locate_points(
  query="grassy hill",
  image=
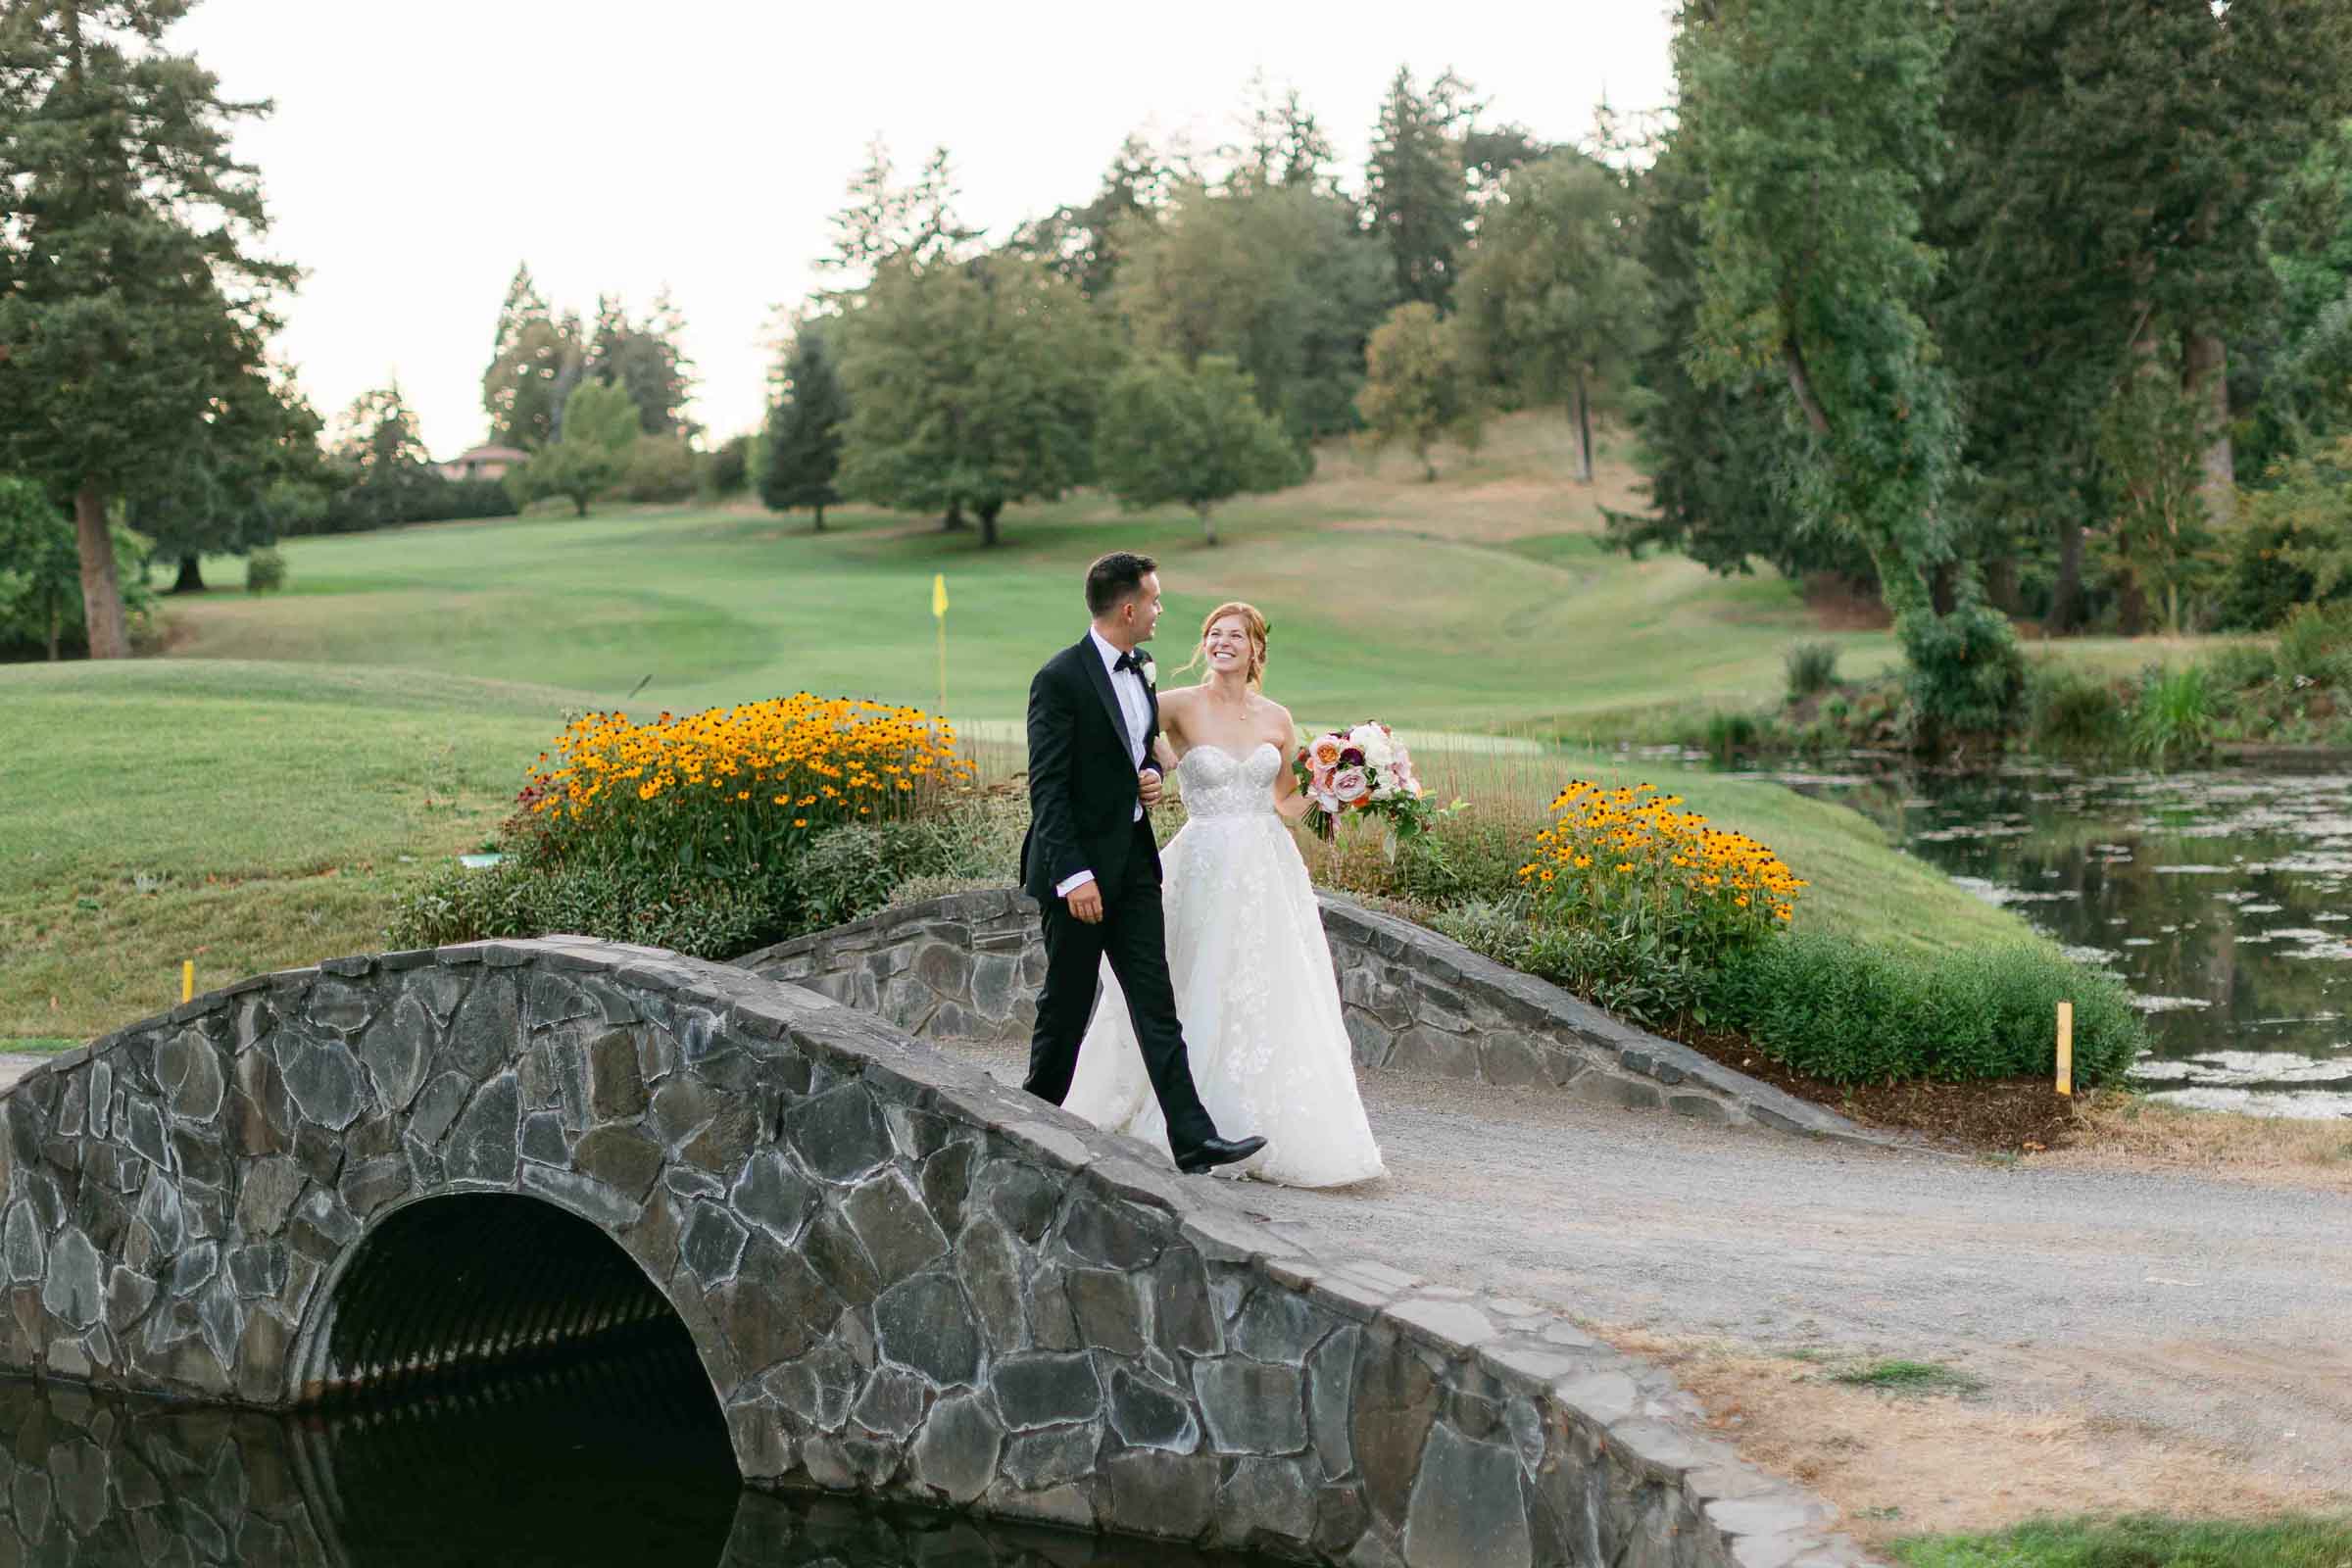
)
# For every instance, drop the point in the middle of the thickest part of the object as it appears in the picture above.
(1483, 601)
(257, 800)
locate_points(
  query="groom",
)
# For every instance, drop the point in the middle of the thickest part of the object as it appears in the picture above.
(1089, 860)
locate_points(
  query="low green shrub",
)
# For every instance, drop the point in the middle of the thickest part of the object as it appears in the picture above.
(1812, 668)
(1624, 965)
(2315, 644)
(2070, 709)
(265, 572)
(702, 918)
(1846, 1011)
(2241, 667)
(1966, 673)
(1730, 733)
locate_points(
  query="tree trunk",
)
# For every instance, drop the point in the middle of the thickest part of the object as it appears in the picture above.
(820, 517)
(2205, 378)
(1208, 524)
(191, 574)
(954, 518)
(1944, 588)
(2000, 583)
(57, 631)
(987, 526)
(101, 594)
(1584, 427)
(2066, 596)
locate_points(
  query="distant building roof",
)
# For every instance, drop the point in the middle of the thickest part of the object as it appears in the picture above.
(487, 454)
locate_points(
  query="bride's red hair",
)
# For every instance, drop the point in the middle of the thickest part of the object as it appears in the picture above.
(1256, 626)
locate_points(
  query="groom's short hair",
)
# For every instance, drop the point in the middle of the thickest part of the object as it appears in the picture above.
(1113, 577)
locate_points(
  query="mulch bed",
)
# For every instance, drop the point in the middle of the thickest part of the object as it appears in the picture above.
(2007, 1115)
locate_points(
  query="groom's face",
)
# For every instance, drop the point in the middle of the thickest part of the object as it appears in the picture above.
(1141, 613)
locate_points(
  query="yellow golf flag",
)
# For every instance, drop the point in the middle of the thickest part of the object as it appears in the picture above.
(939, 595)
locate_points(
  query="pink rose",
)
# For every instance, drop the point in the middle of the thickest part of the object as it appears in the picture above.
(1350, 785)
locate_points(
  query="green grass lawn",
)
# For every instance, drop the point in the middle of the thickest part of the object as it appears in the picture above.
(2141, 1542)
(1483, 601)
(245, 817)
(254, 816)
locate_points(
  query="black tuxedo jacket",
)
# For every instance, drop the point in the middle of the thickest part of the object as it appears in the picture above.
(1082, 784)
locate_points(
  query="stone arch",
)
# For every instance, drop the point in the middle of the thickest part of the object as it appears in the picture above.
(456, 1285)
(902, 1278)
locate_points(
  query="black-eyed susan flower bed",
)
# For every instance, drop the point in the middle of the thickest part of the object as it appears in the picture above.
(738, 789)
(711, 833)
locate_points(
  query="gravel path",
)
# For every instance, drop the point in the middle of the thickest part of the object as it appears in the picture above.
(2216, 1312)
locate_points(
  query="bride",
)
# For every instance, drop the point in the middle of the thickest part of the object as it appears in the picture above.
(1251, 972)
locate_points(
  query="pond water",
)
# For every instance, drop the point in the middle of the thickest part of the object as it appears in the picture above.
(2222, 898)
(593, 1465)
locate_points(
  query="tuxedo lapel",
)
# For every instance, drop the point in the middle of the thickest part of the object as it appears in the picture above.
(1092, 662)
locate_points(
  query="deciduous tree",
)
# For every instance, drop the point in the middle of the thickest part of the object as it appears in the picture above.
(1196, 438)
(1417, 386)
(1553, 299)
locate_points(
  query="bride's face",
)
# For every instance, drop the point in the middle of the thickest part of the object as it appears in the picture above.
(1226, 644)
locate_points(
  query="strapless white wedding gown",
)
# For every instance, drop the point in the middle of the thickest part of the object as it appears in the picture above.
(1255, 991)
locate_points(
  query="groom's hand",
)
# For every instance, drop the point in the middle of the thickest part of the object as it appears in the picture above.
(1147, 786)
(1085, 904)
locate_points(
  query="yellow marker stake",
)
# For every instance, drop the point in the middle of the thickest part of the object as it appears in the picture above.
(187, 980)
(2066, 1048)
(939, 613)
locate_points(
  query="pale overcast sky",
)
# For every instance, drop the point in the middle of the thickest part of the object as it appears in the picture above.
(420, 150)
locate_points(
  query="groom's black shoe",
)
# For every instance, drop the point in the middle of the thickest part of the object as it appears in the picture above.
(1211, 1153)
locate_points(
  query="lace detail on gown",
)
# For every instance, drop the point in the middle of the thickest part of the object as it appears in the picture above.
(1255, 990)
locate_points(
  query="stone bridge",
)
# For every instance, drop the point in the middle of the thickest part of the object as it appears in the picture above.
(901, 1279)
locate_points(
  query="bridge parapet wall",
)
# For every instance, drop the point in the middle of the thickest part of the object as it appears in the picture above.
(966, 966)
(902, 1278)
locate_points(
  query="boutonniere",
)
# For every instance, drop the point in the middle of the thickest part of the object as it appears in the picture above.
(1149, 670)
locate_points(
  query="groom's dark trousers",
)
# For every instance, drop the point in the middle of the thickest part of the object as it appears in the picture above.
(1082, 799)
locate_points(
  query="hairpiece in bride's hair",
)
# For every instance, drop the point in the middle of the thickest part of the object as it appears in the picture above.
(1257, 628)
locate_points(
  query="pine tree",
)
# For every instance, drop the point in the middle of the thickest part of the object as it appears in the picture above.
(134, 300)
(805, 430)
(528, 357)
(1415, 187)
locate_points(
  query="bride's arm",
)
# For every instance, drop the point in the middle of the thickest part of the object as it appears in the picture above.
(1171, 723)
(1289, 804)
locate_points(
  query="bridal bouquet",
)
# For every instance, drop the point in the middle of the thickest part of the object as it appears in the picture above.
(1364, 771)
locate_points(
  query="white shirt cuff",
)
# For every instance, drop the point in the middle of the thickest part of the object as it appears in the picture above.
(1065, 889)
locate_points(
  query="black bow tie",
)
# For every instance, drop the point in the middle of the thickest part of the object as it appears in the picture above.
(1129, 661)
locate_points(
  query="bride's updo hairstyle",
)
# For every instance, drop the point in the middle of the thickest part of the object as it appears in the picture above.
(1250, 618)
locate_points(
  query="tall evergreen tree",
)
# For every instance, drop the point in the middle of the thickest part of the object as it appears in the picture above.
(644, 359)
(1714, 453)
(529, 355)
(1813, 124)
(805, 430)
(972, 387)
(1083, 243)
(134, 301)
(1415, 186)
(2111, 161)
(1282, 279)
(259, 460)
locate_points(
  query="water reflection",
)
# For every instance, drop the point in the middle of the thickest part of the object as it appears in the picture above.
(2222, 898)
(621, 1463)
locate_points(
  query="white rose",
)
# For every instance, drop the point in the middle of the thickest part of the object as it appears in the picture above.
(1380, 751)
(1150, 671)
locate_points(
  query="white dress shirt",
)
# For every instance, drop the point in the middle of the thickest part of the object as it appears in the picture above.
(1135, 706)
